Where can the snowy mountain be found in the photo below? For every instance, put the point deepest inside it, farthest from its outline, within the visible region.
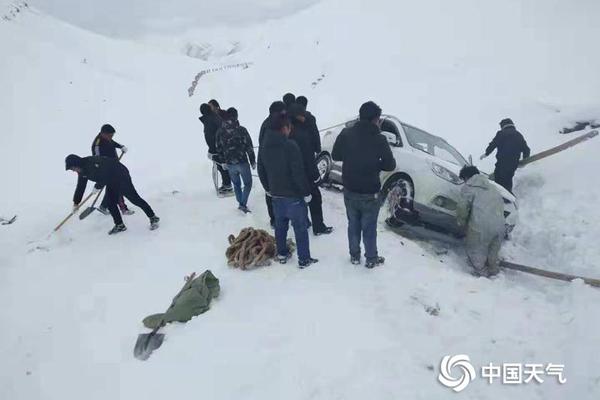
(71, 313)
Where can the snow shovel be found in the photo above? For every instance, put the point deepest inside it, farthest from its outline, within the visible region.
(91, 208)
(148, 342)
(64, 221)
(8, 221)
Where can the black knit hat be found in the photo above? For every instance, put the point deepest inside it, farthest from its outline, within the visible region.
(302, 100)
(231, 114)
(277, 107)
(289, 99)
(369, 111)
(506, 122)
(205, 109)
(71, 161)
(467, 172)
(296, 110)
(214, 103)
(106, 128)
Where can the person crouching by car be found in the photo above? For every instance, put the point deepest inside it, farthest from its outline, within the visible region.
(281, 172)
(480, 214)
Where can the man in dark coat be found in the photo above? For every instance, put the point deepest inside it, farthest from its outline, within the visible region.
(235, 148)
(115, 176)
(281, 172)
(216, 108)
(212, 122)
(302, 136)
(276, 109)
(288, 99)
(311, 121)
(364, 152)
(510, 144)
(104, 146)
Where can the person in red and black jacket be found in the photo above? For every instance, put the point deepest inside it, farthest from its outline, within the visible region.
(104, 146)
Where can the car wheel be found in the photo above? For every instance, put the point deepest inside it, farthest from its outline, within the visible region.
(398, 194)
(324, 167)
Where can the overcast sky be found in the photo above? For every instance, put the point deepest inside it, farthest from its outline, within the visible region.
(130, 18)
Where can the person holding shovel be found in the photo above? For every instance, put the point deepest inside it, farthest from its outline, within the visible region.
(115, 176)
(104, 146)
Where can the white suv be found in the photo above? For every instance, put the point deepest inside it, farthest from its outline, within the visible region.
(425, 187)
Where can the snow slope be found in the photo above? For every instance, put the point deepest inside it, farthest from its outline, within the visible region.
(71, 314)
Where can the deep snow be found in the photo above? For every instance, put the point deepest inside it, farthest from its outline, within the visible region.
(71, 314)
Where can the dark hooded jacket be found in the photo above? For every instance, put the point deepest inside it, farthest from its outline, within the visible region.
(364, 152)
(301, 134)
(212, 122)
(280, 167)
(102, 170)
(510, 144)
(234, 144)
(315, 136)
(263, 129)
(105, 147)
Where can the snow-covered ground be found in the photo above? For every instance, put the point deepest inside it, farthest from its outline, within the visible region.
(71, 315)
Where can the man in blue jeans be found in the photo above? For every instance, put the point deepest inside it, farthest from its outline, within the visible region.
(234, 147)
(281, 172)
(364, 152)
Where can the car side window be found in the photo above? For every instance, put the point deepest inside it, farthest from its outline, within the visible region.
(388, 125)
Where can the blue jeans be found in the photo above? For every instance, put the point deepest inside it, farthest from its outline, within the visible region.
(362, 211)
(288, 209)
(238, 173)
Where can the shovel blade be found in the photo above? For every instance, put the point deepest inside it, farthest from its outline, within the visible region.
(146, 343)
(86, 212)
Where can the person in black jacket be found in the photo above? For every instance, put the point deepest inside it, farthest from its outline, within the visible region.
(216, 108)
(302, 136)
(276, 109)
(104, 146)
(281, 172)
(510, 144)
(235, 148)
(288, 99)
(312, 123)
(115, 176)
(212, 122)
(364, 152)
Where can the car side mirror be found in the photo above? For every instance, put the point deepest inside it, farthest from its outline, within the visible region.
(391, 138)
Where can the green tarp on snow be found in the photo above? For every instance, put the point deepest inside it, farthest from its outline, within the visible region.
(194, 299)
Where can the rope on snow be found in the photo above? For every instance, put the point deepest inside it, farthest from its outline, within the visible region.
(252, 248)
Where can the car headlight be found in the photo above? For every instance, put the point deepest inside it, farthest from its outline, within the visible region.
(446, 174)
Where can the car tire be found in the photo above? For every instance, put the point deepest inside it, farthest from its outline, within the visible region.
(397, 196)
(324, 165)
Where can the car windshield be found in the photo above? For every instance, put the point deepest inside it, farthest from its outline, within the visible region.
(433, 145)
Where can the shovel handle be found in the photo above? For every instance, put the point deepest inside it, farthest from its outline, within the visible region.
(64, 221)
(188, 281)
